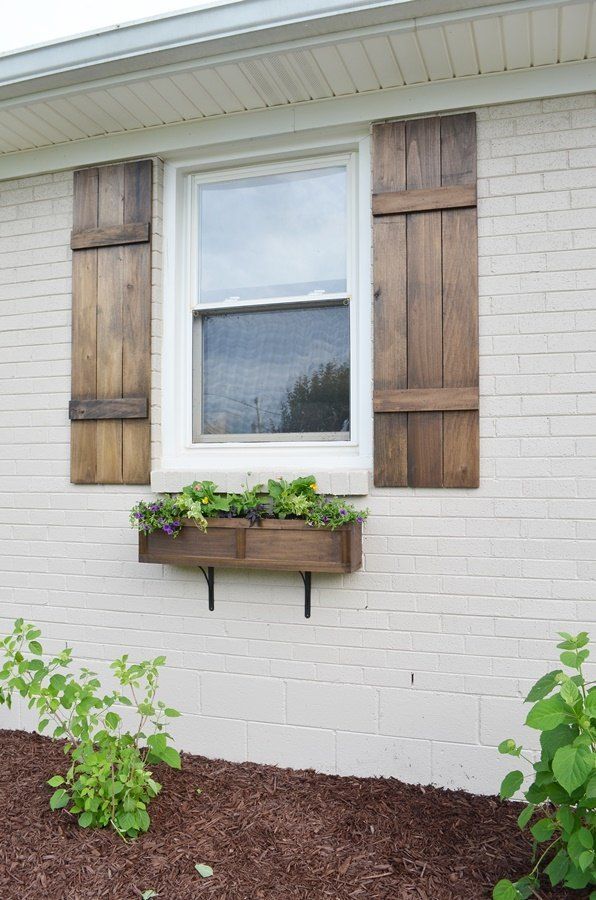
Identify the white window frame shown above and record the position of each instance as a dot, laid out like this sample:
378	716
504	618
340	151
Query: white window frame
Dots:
179	453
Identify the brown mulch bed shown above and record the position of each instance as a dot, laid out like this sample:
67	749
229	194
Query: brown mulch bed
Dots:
268	833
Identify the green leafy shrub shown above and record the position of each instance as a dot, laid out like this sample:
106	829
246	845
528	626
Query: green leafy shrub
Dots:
283	499
108	782
563	790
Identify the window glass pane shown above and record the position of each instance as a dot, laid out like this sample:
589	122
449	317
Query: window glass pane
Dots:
273	236
283	371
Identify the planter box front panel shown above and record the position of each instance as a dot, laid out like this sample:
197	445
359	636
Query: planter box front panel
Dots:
271	544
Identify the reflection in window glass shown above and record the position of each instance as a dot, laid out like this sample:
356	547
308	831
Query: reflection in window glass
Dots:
283	371
273	236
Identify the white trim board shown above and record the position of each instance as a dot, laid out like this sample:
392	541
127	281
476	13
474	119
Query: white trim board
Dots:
423	99
179	456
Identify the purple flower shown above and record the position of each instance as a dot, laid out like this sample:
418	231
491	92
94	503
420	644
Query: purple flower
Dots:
325	519
360	520
138	515
155	507
343	512
168	529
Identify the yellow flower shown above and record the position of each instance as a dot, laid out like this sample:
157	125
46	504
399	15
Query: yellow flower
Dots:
205	500
314	486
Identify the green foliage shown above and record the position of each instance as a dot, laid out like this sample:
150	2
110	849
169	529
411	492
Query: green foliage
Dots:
163	514
249	503
317	402
292	498
563	790
200	501
108	782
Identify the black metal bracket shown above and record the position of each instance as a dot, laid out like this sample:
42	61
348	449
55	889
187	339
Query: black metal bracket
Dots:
210	579
306	578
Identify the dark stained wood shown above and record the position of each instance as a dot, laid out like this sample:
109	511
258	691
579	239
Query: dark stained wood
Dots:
125	408
136	324
445	197
83	435
111	349
426	303
390	306
110	235
425	340
240	543
288	545
426	399
460	302
110	290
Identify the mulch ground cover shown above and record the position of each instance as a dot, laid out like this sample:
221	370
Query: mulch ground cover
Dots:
268	833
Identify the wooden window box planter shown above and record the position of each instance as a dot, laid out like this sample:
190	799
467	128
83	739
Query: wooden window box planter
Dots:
282	544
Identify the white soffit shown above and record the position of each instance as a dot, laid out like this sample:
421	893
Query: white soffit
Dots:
226	76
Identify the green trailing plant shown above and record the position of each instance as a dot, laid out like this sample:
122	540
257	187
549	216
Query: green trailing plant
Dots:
108	781
331	512
200	501
561	808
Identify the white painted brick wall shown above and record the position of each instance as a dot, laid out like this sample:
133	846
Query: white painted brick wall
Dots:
415	666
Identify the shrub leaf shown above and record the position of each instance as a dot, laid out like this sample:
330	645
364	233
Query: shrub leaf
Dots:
571	766
547	714
511	784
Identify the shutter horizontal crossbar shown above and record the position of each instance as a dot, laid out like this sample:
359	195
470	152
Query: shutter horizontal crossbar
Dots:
119	408
448	197
110	236
426	400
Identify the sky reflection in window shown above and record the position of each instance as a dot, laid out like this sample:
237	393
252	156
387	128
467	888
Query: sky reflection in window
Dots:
273	236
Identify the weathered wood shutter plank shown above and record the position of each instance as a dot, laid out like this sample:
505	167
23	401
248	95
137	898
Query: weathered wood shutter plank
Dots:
136	343
133	233
426	307
111	323
461	457
84	324
390	310
425	432
442	197
127	408
420	399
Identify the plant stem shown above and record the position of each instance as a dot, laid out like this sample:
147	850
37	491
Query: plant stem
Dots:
554	843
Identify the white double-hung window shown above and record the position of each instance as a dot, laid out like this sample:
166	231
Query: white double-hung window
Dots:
262	357
271	321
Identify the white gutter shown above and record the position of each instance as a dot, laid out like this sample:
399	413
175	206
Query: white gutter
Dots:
236	25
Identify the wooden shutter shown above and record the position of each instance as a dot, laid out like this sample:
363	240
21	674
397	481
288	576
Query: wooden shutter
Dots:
425	303
111	325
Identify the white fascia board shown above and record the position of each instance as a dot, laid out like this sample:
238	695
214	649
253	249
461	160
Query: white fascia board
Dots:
171	141
69	83
236	25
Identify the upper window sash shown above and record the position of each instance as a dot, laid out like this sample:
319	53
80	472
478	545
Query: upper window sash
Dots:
244	176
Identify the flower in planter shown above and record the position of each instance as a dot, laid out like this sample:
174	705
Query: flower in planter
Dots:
282	500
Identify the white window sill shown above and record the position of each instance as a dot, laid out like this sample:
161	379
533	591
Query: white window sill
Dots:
346	483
